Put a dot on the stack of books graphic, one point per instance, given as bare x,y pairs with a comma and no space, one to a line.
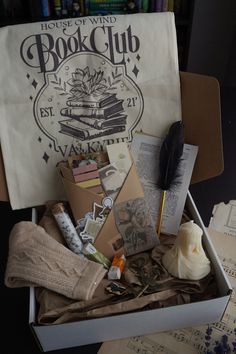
93,116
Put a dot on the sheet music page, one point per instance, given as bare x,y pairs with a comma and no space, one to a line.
224,218
190,340
168,342
145,151
225,248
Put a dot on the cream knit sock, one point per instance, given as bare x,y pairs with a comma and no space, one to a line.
36,259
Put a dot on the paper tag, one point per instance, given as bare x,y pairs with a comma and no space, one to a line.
119,153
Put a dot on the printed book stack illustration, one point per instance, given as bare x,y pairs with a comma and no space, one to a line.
92,111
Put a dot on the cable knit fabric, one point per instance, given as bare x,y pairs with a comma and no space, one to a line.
36,259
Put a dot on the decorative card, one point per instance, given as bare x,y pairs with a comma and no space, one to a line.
135,225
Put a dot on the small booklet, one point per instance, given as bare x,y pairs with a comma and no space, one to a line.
145,150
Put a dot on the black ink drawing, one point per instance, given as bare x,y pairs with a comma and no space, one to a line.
93,108
135,226
59,85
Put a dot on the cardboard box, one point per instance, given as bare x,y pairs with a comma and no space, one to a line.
142,322
201,117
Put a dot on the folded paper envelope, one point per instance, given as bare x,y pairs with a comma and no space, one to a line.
109,241
81,200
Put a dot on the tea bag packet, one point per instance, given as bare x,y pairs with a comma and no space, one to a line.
187,258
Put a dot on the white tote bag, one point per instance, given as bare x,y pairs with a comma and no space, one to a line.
75,85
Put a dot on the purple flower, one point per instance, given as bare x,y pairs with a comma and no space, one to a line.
221,346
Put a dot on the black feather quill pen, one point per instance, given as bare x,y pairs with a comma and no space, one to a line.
170,156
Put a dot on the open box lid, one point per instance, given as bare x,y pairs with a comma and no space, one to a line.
202,125
201,114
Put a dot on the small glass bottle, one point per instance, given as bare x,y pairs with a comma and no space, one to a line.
67,228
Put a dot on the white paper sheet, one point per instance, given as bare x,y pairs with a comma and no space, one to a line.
224,218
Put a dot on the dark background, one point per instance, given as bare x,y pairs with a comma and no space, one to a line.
212,51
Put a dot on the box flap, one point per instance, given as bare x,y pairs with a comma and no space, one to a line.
201,114
202,121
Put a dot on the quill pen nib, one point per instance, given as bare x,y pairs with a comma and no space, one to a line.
161,212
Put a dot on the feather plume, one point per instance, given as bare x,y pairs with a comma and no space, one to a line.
170,156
